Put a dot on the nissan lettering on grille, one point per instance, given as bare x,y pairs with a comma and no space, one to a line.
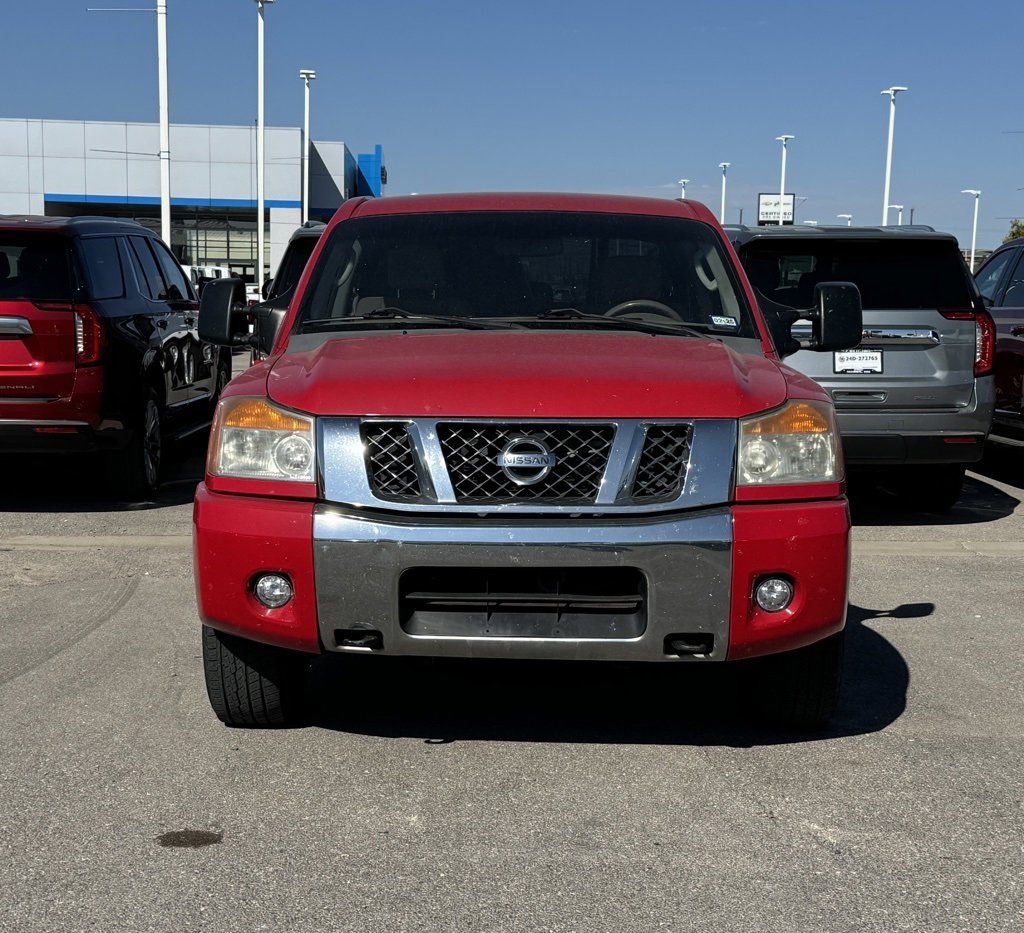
526,460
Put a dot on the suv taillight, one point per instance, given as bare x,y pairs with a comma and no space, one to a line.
984,338
88,336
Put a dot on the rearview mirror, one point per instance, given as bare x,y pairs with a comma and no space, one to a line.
223,315
268,322
837,321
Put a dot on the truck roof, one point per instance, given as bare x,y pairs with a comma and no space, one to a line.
537,201
69,226
744,234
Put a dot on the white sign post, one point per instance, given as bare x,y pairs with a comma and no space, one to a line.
768,209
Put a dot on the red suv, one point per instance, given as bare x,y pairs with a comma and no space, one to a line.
522,426
99,345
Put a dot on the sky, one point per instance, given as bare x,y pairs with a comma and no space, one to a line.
571,95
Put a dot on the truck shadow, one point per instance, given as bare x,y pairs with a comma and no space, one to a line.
451,701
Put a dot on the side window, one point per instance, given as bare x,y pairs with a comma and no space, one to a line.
1015,288
151,282
989,277
102,267
177,287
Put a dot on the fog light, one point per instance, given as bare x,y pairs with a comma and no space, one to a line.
773,594
273,590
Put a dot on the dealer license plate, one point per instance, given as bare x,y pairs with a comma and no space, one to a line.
858,361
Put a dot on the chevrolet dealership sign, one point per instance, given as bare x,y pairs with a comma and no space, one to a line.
768,209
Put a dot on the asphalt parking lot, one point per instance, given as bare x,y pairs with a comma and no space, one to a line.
524,797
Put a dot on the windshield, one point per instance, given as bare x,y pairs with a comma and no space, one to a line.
34,267
893,275
537,269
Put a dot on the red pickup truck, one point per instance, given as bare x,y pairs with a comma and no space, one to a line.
522,426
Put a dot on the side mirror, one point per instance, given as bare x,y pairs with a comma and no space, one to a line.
268,323
223,315
837,320
265,290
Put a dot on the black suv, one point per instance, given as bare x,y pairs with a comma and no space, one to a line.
99,346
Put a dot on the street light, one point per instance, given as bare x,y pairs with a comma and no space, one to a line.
847,217
899,215
892,92
260,152
784,139
683,182
810,223
974,234
165,129
724,166
307,75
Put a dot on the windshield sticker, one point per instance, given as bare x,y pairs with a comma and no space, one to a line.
720,321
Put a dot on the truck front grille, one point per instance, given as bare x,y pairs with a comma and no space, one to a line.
580,453
391,460
661,470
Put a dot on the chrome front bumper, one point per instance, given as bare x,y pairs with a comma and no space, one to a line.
686,560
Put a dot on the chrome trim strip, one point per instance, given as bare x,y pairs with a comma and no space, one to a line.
901,336
345,478
56,423
15,326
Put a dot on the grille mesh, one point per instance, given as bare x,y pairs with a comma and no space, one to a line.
392,461
581,451
663,461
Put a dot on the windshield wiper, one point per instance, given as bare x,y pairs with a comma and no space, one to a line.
401,316
569,315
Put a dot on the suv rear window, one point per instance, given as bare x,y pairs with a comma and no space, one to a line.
34,267
891,274
294,261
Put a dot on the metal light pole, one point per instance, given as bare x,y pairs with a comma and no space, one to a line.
899,215
892,92
165,130
784,139
683,182
847,217
307,75
974,233
724,166
260,142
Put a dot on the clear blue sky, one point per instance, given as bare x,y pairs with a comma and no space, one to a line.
583,96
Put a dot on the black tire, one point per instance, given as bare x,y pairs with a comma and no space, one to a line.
800,689
933,487
134,472
250,684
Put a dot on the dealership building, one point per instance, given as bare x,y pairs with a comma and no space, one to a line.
74,167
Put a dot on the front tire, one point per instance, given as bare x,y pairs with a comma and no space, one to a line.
800,689
251,684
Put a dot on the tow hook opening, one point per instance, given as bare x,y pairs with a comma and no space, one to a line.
690,644
367,638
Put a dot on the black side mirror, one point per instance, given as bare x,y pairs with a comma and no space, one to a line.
223,314
837,320
268,323
265,290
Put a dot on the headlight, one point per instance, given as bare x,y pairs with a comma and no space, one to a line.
254,439
798,443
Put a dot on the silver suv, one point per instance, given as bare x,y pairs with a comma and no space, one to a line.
916,397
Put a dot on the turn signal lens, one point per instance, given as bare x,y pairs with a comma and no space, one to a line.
254,439
796,444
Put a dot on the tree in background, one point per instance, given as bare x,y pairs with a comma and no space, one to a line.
1016,230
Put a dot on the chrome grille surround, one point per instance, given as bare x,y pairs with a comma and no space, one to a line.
471,450
345,474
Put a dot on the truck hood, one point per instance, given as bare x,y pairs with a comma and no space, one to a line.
513,374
